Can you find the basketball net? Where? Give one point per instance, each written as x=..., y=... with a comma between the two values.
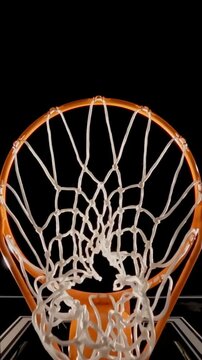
x=98, y=210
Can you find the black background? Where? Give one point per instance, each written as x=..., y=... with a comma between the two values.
x=149, y=55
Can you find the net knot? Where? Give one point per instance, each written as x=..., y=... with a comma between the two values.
x=92, y=202
x=57, y=212
x=107, y=202
x=84, y=167
x=115, y=166
x=100, y=217
x=75, y=210
x=120, y=210
x=47, y=254
x=110, y=222
x=101, y=185
x=157, y=220
x=138, y=208
x=120, y=190
x=119, y=232
x=141, y=184
x=134, y=229
x=57, y=187
x=38, y=230
x=85, y=218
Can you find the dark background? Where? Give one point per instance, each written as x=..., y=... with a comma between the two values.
x=149, y=55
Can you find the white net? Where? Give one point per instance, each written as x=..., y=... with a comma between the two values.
x=82, y=214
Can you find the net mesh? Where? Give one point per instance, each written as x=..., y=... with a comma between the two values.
x=95, y=218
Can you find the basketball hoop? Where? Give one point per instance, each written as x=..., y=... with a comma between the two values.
x=101, y=208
